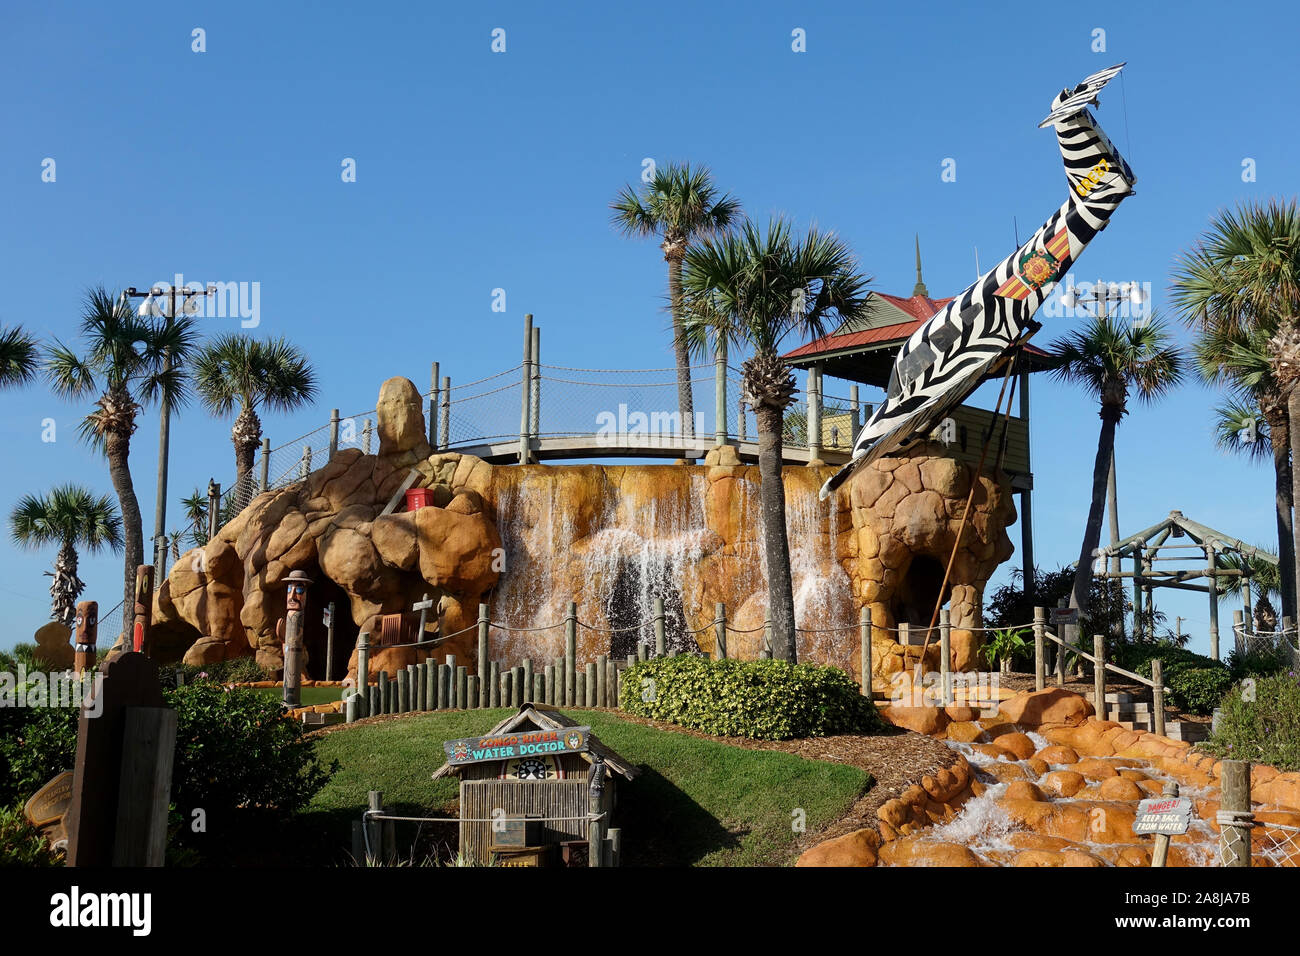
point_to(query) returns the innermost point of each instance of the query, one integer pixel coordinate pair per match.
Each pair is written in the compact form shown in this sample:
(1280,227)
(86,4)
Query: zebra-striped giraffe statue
(944,360)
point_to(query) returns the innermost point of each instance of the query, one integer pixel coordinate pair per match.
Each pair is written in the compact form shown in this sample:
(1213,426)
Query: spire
(920,283)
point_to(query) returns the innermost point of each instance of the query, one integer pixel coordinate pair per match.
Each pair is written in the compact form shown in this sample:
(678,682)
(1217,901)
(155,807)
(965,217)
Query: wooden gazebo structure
(536,789)
(863,351)
(1195,541)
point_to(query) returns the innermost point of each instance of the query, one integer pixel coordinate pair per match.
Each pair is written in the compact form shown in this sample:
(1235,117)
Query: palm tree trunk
(685,403)
(780,589)
(66,586)
(1290,585)
(246,435)
(1092,530)
(1283,503)
(118,448)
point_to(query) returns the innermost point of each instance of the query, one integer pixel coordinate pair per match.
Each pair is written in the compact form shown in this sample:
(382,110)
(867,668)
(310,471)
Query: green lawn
(696,802)
(310,695)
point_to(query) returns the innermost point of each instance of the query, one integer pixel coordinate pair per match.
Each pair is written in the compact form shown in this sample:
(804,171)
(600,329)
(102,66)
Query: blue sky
(479,170)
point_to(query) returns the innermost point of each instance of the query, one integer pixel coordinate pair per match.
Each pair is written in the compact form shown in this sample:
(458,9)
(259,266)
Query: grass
(697,802)
(310,695)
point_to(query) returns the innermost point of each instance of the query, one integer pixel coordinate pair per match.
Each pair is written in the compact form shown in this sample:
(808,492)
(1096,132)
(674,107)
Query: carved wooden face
(87,622)
(296,600)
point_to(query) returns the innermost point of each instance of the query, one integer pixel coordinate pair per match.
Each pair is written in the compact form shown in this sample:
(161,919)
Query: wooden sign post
(86,634)
(143,608)
(121,780)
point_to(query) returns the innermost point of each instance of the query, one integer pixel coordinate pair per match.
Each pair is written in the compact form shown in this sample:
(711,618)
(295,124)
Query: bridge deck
(506,451)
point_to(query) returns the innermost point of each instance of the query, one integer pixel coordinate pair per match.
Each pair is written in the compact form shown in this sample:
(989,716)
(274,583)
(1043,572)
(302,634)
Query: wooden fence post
(1099,674)
(660,639)
(528,680)
(526,388)
(1158,696)
(334,434)
(1040,648)
(266,464)
(945,656)
(1062,634)
(1235,817)
(444,413)
(864,637)
(462,687)
(719,631)
(571,655)
(549,696)
(602,680)
(484,674)
(433,409)
(144,791)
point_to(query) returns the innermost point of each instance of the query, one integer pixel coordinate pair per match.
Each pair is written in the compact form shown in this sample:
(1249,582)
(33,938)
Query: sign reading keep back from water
(524,744)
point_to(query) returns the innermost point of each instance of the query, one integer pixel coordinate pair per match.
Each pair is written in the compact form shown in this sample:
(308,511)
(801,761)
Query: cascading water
(613,539)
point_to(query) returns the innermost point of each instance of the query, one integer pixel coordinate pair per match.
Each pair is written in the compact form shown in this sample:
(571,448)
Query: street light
(161,303)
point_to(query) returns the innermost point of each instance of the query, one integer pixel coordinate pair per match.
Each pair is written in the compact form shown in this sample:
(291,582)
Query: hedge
(1260,722)
(765,700)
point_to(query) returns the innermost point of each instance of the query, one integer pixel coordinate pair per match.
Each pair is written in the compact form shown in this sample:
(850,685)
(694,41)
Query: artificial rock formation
(530,539)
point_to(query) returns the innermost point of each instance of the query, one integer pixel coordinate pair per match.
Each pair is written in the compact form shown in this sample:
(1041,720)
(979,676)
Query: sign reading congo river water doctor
(531,743)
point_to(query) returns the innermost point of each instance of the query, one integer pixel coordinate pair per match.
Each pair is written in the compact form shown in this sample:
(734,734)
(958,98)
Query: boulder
(917,852)
(853,849)
(1016,744)
(1058,755)
(1118,788)
(924,720)
(1064,783)
(401,423)
(1051,706)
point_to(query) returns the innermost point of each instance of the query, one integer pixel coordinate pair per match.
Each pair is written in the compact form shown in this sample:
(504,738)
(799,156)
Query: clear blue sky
(478,170)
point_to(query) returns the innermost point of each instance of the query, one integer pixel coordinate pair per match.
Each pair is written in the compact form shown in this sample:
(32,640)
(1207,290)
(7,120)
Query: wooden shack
(528,787)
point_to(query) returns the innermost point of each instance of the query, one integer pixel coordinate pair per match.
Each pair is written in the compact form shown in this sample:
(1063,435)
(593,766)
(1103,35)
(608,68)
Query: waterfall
(615,538)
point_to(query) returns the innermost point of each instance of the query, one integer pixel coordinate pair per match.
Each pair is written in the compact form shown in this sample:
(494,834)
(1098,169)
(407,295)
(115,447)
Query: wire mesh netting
(1280,644)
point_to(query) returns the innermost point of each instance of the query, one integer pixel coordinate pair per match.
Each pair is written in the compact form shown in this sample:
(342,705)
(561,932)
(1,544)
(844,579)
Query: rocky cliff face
(528,540)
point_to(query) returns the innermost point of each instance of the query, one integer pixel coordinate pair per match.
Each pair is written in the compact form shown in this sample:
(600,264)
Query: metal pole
(266,464)
(864,637)
(433,407)
(814,414)
(853,415)
(363,672)
(329,641)
(720,390)
(1027,501)
(535,395)
(334,434)
(214,502)
(526,390)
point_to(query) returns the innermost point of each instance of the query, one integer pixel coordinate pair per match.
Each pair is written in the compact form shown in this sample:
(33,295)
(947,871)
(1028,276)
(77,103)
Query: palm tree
(1243,277)
(679,205)
(19,357)
(125,363)
(753,290)
(69,516)
(196,513)
(1239,359)
(1265,581)
(236,370)
(1109,359)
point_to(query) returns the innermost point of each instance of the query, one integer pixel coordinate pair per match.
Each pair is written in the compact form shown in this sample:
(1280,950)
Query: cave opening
(918,592)
(315,635)
(631,601)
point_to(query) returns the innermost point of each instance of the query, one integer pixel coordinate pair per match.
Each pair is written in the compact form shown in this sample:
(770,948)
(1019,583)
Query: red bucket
(417,498)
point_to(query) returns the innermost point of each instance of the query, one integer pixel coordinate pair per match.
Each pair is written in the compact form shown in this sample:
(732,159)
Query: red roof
(920,307)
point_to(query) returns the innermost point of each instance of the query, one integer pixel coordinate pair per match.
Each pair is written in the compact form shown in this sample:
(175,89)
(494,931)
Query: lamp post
(1102,297)
(161,303)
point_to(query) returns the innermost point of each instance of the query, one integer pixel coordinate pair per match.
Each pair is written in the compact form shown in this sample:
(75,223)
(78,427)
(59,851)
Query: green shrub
(1196,683)
(1198,690)
(21,844)
(35,749)
(236,749)
(1265,729)
(1260,662)
(767,700)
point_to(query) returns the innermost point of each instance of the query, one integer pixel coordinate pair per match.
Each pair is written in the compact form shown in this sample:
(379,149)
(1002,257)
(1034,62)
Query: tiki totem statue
(295,607)
(87,630)
(143,607)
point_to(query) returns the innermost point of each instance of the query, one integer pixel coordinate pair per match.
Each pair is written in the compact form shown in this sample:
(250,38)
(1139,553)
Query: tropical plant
(1252,421)
(1005,644)
(237,371)
(753,289)
(1262,725)
(19,357)
(1110,357)
(128,360)
(1241,282)
(1264,581)
(69,516)
(196,513)
(679,204)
